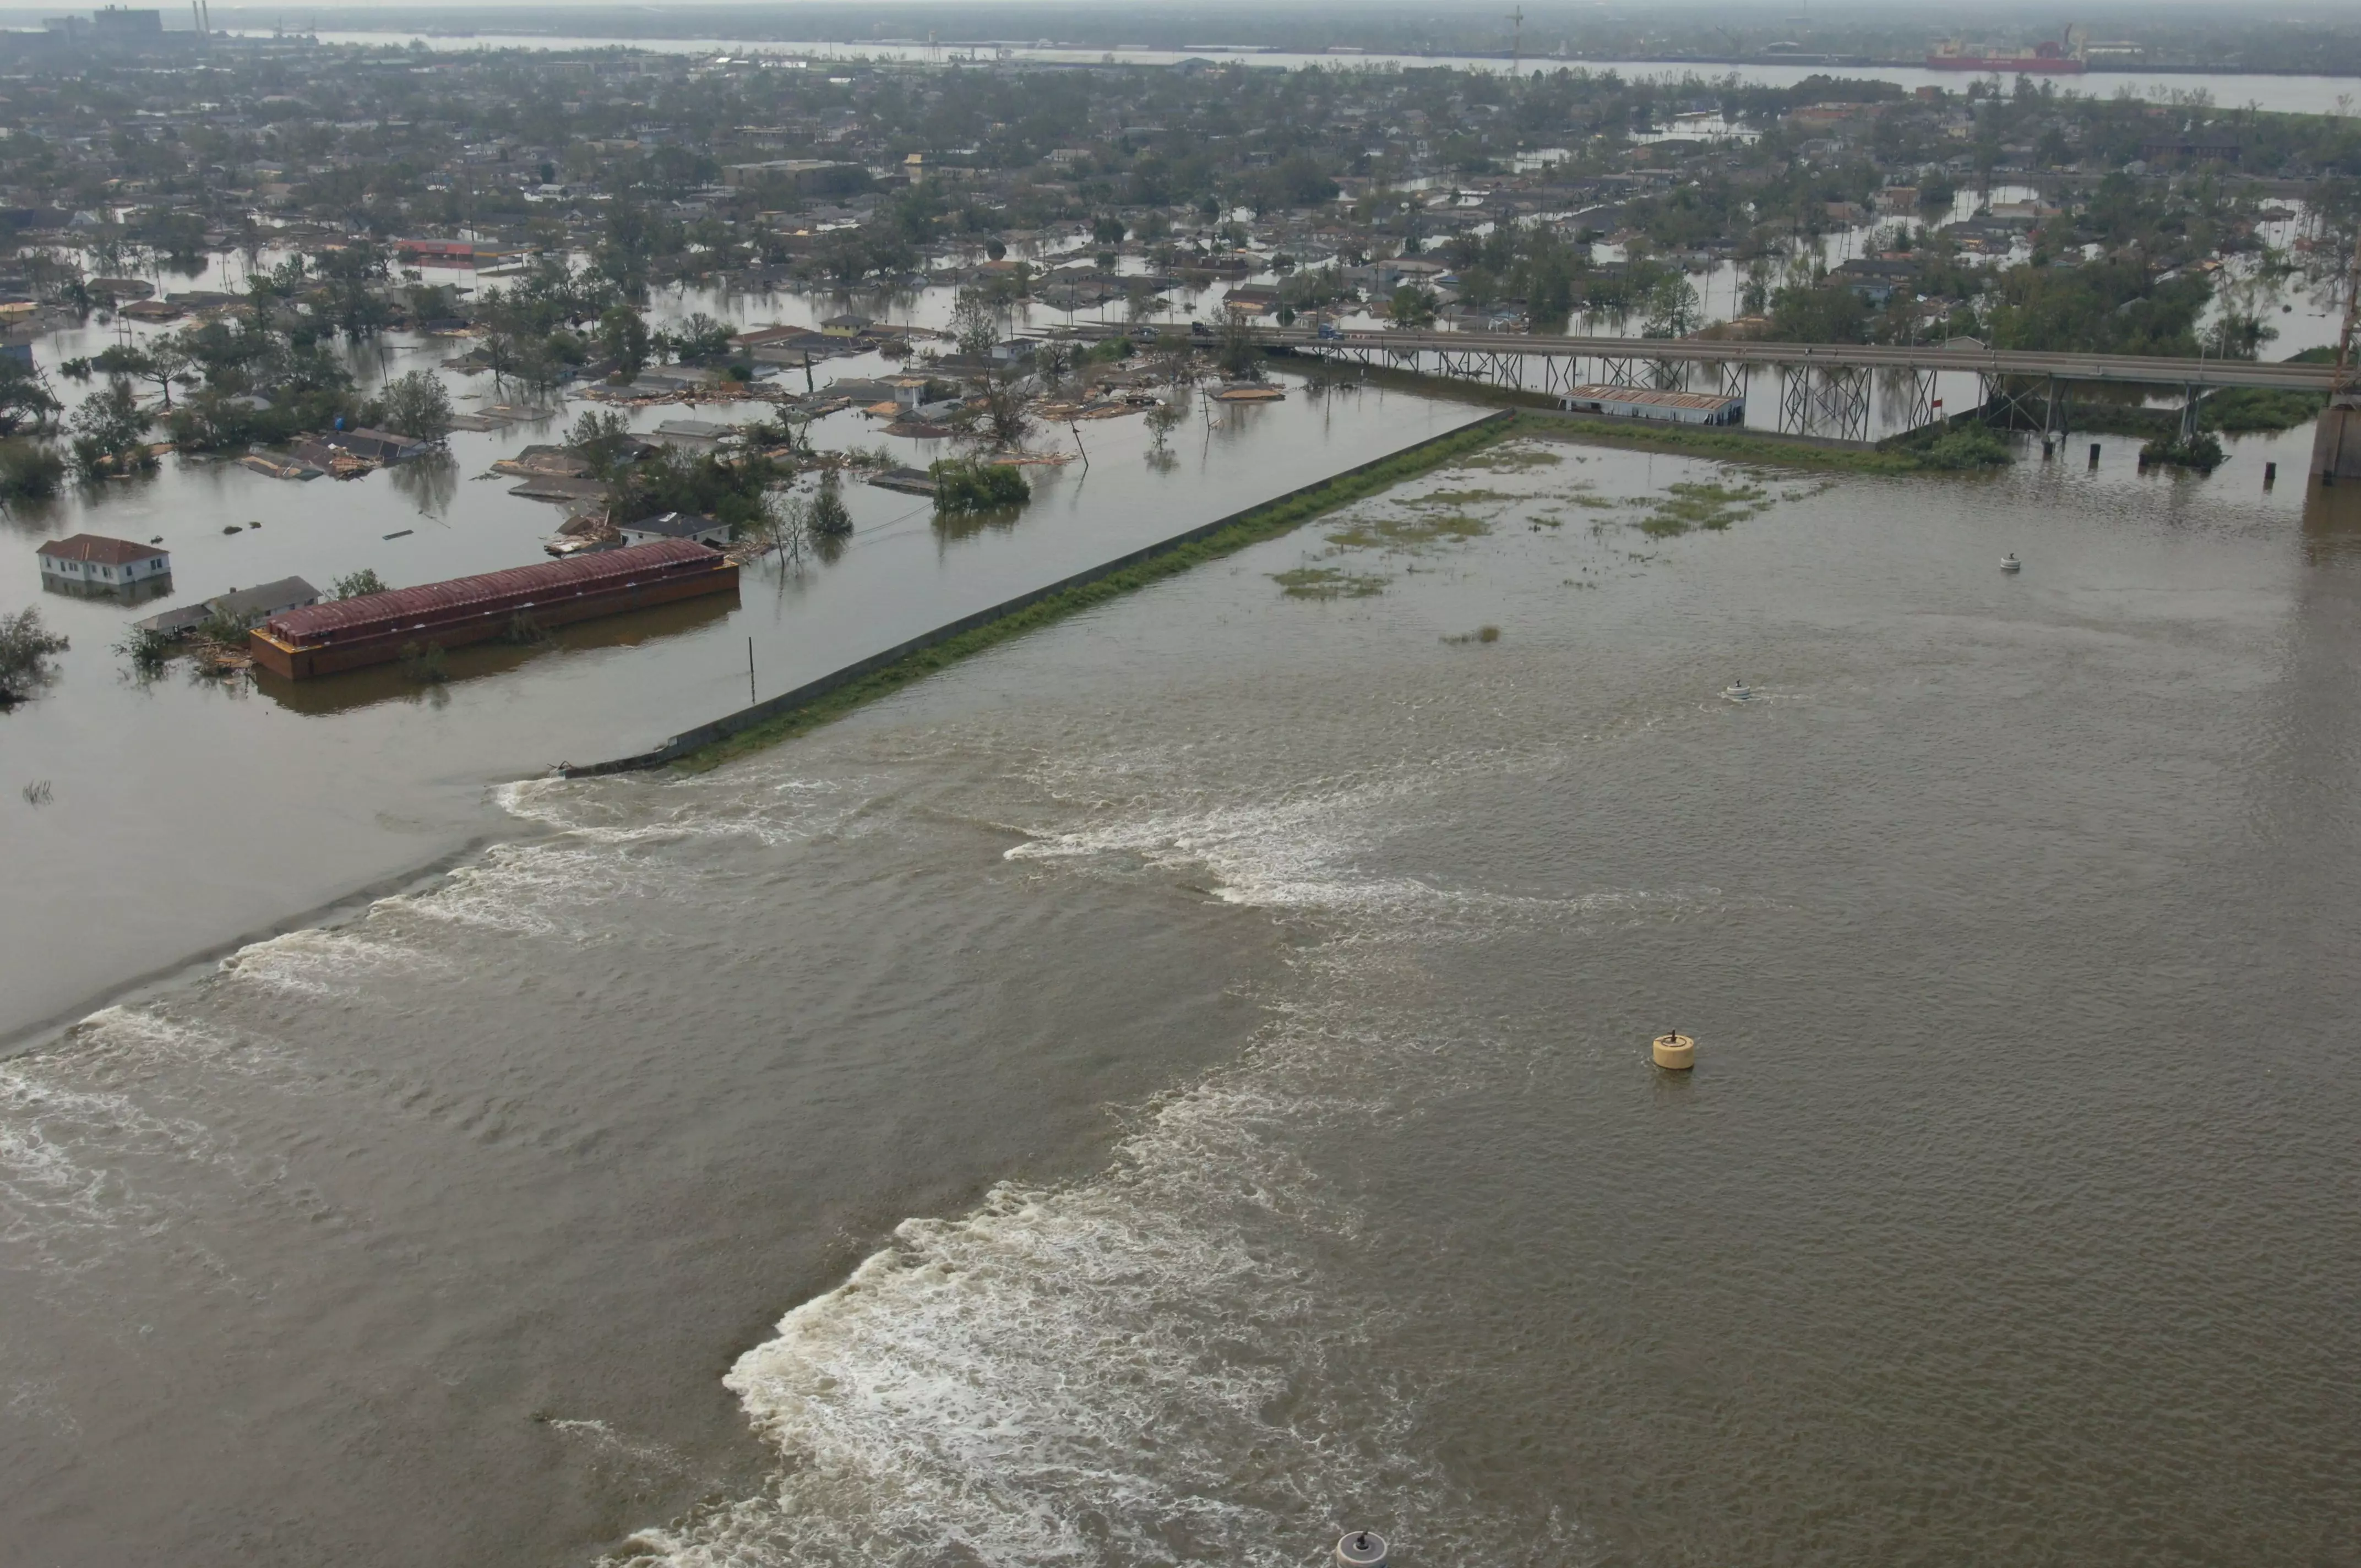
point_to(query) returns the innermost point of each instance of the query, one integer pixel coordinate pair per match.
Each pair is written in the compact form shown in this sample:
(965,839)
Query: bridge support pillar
(2336,441)
(1821,401)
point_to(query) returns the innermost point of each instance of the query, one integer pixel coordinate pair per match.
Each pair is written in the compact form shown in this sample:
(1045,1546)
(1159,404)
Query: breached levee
(814,702)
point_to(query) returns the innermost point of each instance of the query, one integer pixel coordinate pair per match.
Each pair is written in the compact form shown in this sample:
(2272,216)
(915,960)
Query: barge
(378,628)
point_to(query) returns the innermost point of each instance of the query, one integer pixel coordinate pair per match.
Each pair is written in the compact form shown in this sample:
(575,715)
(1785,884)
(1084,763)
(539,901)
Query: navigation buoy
(1362,1549)
(1675,1053)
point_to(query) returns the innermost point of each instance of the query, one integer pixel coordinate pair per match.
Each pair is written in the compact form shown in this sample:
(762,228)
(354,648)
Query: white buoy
(1362,1549)
(2009,563)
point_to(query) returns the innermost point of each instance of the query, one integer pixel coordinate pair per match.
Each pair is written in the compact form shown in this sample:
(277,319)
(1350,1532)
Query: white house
(677,525)
(91,562)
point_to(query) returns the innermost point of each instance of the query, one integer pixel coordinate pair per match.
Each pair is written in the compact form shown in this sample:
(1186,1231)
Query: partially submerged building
(1642,403)
(693,526)
(246,607)
(94,564)
(378,628)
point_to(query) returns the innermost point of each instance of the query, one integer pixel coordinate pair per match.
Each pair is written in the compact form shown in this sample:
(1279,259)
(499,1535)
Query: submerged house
(94,564)
(247,606)
(677,525)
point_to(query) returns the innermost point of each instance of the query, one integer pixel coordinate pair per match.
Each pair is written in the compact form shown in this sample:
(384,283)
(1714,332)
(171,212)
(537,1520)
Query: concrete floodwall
(745,719)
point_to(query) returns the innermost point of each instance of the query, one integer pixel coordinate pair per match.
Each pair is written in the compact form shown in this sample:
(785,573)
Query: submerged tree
(107,433)
(830,517)
(418,405)
(24,399)
(27,648)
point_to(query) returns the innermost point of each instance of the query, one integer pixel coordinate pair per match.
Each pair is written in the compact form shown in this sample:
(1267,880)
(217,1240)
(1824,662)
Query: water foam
(1153,1366)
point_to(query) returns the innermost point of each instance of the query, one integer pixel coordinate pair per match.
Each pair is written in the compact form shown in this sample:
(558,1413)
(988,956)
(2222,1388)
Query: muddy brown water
(1176,1087)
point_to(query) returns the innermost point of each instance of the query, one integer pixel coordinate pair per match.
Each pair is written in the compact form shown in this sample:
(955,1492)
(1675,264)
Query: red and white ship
(2051,57)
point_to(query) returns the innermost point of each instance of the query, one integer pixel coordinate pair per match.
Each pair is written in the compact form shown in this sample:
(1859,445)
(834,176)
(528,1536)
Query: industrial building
(378,628)
(1640,402)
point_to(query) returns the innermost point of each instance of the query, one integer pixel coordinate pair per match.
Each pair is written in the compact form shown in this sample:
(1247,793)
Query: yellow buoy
(1674,1052)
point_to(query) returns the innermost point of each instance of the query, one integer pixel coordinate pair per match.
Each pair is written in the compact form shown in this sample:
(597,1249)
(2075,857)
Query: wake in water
(1172,1363)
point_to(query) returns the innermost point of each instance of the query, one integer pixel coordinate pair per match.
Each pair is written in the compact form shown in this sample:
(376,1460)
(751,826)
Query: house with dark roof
(677,525)
(91,562)
(252,607)
(380,446)
(247,607)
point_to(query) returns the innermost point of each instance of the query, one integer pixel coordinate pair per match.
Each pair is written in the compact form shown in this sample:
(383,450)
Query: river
(2231,90)
(1174,1087)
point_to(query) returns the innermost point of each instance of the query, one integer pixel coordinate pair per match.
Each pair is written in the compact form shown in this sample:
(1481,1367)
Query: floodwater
(185,812)
(1174,1088)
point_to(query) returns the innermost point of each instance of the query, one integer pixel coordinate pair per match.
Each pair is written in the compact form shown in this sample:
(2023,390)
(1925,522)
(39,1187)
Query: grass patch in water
(1459,499)
(1515,458)
(1710,507)
(1327,583)
(1481,634)
(1409,532)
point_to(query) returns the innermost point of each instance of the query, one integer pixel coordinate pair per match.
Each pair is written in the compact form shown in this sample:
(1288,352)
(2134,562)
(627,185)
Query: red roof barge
(377,628)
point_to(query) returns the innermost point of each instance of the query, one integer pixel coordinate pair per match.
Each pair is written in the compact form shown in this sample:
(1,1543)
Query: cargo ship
(2051,57)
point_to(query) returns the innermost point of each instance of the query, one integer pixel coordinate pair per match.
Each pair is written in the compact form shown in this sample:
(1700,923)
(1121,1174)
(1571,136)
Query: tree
(1413,306)
(28,468)
(24,399)
(161,361)
(1673,308)
(976,323)
(700,337)
(27,646)
(623,338)
(1000,419)
(828,516)
(360,583)
(107,431)
(1238,353)
(1108,230)
(601,437)
(783,526)
(418,405)
(975,486)
(1162,420)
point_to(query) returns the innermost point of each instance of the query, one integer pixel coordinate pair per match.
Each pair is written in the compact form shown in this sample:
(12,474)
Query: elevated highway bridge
(1824,389)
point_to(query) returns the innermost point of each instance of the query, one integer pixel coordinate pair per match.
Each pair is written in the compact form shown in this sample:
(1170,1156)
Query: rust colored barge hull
(288,648)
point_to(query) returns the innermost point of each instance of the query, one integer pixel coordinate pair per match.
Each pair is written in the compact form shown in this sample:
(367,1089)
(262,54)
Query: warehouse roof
(431,601)
(1598,392)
